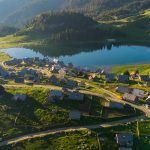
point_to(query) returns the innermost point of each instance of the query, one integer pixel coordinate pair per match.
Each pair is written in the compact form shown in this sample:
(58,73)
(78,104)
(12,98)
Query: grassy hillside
(136,28)
(5,30)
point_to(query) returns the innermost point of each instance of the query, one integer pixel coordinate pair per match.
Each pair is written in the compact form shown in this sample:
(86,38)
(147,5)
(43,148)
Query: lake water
(119,55)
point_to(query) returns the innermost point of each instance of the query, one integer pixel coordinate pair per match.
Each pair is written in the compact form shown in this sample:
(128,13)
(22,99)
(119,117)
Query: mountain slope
(98,9)
(5,30)
(7,7)
(65,26)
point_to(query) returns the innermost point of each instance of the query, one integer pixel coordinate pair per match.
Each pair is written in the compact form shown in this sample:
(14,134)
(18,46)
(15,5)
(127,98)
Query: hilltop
(136,27)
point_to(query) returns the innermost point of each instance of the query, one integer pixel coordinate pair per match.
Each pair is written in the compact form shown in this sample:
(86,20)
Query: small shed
(123,78)
(20,97)
(114,105)
(53,80)
(144,77)
(55,95)
(19,80)
(76,96)
(74,115)
(71,84)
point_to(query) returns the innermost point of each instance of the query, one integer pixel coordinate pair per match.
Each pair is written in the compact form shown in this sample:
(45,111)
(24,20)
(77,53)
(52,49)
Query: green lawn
(143,68)
(4,57)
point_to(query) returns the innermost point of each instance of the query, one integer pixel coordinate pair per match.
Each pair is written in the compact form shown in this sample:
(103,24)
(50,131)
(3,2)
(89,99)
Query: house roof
(129,97)
(110,75)
(125,139)
(138,93)
(123,78)
(123,89)
(144,77)
(125,148)
(20,96)
(76,96)
(56,93)
(74,115)
(72,83)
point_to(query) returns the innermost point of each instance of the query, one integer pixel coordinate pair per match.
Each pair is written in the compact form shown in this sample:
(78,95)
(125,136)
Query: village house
(63,80)
(19,80)
(123,78)
(20,74)
(53,80)
(55,95)
(62,71)
(130,97)
(55,68)
(124,139)
(71,84)
(144,77)
(20,97)
(123,89)
(76,96)
(71,74)
(113,105)
(74,115)
(110,77)
(139,93)
(12,74)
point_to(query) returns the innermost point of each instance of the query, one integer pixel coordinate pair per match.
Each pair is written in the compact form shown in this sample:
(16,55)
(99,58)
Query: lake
(116,55)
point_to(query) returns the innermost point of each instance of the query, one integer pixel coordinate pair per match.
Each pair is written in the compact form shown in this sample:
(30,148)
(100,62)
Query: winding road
(69,129)
(110,96)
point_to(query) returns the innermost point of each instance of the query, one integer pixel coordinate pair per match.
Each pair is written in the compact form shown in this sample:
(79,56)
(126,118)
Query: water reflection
(89,54)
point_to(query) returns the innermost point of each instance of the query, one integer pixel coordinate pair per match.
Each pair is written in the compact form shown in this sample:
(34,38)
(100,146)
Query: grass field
(4,57)
(143,68)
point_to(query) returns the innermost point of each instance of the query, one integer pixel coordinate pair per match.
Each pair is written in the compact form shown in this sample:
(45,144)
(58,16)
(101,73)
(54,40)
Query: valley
(74,74)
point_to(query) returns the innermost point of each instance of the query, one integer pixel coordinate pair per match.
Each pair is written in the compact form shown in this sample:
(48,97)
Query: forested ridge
(22,11)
